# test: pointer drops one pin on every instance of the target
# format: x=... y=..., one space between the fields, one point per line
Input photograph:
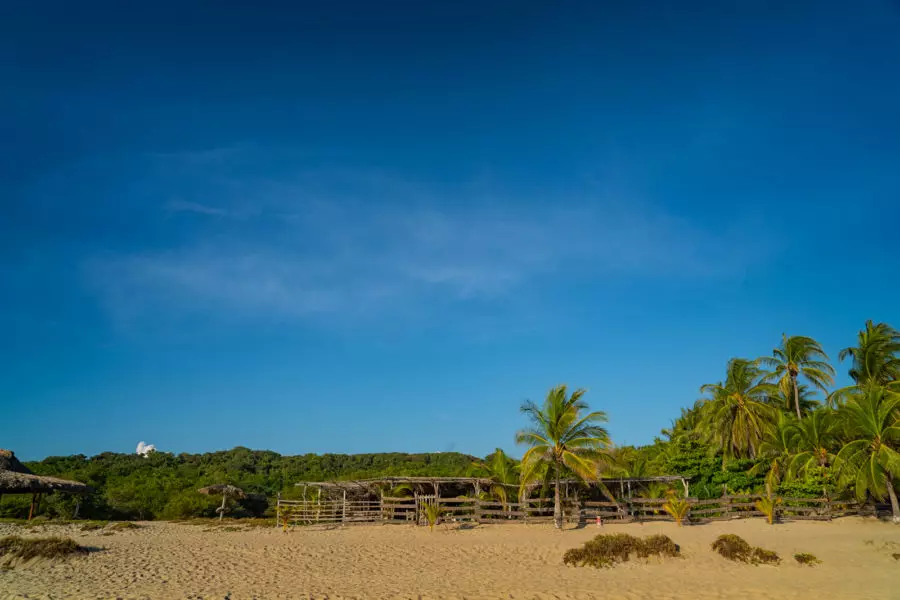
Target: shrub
x=432 y=513
x=734 y=547
x=93 y=525
x=607 y=550
x=761 y=556
x=678 y=508
x=657 y=545
x=768 y=506
x=806 y=559
x=13 y=546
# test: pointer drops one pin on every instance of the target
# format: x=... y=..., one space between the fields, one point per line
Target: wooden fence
x=410 y=510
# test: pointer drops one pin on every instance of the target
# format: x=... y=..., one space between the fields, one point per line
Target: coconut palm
x=778 y=449
x=814 y=441
x=784 y=400
x=871 y=459
x=736 y=413
x=875 y=360
x=503 y=473
x=798 y=356
x=563 y=435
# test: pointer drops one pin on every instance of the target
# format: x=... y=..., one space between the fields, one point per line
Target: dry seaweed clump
x=734 y=547
x=15 y=547
x=807 y=559
x=607 y=550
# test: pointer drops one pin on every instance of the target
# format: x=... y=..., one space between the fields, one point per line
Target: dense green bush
x=164 y=486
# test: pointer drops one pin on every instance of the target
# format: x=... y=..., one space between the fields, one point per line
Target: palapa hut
x=226 y=491
x=15 y=478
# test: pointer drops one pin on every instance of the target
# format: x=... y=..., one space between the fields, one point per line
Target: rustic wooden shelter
x=433 y=485
x=15 y=478
x=460 y=498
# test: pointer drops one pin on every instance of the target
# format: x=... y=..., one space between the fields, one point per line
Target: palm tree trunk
x=557 y=509
x=796 y=396
x=895 y=507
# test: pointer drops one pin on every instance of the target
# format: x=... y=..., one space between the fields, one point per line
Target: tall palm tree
x=871 y=459
x=875 y=361
x=784 y=400
x=815 y=438
x=799 y=356
x=876 y=356
x=503 y=473
x=736 y=412
x=563 y=435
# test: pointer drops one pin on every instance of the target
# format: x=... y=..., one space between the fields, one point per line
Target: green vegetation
x=164 y=486
x=501 y=470
x=15 y=547
x=769 y=427
x=768 y=507
x=678 y=508
x=607 y=550
x=563 y=437
x=432 y=514
x=734 y=547
x=807 y=559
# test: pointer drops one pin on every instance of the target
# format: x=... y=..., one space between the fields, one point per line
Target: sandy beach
x=168 y=560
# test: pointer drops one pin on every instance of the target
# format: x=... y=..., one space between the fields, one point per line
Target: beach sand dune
x=168 y=560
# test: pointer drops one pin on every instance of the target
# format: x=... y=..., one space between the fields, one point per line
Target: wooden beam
x=31 y=510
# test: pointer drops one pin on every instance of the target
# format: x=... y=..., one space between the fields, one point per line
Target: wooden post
x=478 y=516
x=684 y=482
x=31 y=510
x=277 y=509
x=344 y=509
x=222 y=508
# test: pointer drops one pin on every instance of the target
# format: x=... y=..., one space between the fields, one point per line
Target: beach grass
x=16 y=547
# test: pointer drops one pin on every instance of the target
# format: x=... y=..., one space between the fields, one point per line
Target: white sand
x=166 y=560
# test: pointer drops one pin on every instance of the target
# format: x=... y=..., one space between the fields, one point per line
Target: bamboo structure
x=386 y=509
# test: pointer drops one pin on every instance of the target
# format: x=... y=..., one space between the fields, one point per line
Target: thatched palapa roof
x=15 y=478
x=223 y=489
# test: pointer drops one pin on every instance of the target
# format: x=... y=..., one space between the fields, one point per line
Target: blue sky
x=357 y=228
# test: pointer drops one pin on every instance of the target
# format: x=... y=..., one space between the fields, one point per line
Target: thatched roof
x=15 y=478
x=222 y=489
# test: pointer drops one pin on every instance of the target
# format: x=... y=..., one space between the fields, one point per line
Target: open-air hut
x=15 y=478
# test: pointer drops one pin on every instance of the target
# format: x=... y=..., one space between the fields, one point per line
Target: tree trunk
x=796 y=395
x=557 y=508
x=895 y=507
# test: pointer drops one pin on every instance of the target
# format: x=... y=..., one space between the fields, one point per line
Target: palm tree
x=503 y=473
x=814 y=439
x=875 y=357
x=784 y=400
x=563 y=435
x=871 y=459
x=735 y=412
x=875 y=360
x=799 y=356
x=778 y=448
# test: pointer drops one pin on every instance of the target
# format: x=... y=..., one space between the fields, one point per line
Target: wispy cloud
x=367 y=253
x=196 y=207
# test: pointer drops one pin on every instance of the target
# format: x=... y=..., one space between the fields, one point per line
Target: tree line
x=773 y=424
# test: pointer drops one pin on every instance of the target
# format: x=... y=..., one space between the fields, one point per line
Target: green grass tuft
x=734 y=547
x=607 y=550
x=807 y=559
x=14 y=546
